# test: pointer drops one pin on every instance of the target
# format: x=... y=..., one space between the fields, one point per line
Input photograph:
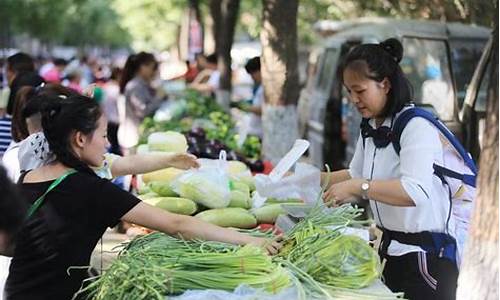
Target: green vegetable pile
x=317 y=257
x=155 y=265
x=328 y=264
x=204 y=111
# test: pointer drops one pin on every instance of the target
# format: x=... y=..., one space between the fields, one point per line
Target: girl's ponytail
x=129 y=71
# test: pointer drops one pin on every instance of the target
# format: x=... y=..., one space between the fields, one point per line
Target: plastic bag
x=242 y=292
x=208 y=185
x=267 y=183
x=303 y=184
x=170 y=110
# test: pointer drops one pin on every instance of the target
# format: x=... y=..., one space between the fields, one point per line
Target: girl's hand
x=343 y=192
x=272 y=246
x=183 y=161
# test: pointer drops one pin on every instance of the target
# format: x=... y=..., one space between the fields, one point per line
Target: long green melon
x=175 y=205
x=162 y=188
x=229 y=217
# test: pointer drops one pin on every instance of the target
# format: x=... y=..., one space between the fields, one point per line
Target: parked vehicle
x=439 y=60
x=473 y=113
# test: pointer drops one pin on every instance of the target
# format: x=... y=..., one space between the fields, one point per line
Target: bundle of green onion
x=344 y=261
x=156 y=265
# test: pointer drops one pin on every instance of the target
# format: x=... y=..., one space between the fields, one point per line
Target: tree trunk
x=215 y=13
x=196 y=32
x=225 y=15
x=279 y=77
x=479 y=272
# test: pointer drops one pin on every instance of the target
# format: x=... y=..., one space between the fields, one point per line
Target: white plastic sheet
x=303 y=184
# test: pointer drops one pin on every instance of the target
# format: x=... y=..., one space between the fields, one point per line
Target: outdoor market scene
x=244 y=150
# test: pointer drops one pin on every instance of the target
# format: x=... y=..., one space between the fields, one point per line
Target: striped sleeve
x=5 y=133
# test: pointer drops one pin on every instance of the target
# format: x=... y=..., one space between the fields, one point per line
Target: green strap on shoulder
x=36 y=205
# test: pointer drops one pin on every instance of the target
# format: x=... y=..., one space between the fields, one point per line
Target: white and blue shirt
x=5 y=133
x=421 y=147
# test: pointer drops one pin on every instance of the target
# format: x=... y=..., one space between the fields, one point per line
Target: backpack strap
x=465 y=178
x=410 y=113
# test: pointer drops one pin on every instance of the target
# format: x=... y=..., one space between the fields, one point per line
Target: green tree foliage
x=480 y=12
x=153 y=24
x=71 y=22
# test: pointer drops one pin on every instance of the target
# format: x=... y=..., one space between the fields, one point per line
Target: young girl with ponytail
x=141 y=100
x=409 y=202
x=71 y=207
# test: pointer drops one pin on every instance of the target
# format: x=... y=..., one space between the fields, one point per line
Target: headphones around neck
x=382 y=136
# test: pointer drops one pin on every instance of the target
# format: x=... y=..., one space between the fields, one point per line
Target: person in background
x=111 y=91
x=21 y=80
x=212 y=83
x=87 y=75
x=141 y=99
x=18 y=131
x=55 y=73
x=46 y=64
x=17 y=64
x=74 y=78
x=4 y=89
x=190 y=74
x=437 y=93
x=62 y=231
x=2 y=75
x=201 y=61
x=255 y=109
x=191 y=71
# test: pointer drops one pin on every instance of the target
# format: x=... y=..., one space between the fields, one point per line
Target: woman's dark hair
x=379 y=61
x=212 y=58
x=21 y=80
x=116 y=73
x=61 y=118
x=29 y=102
x=20 y=63
x=253 y=65
x=132 y=65
x=60 y=62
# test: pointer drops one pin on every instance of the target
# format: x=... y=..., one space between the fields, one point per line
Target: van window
x=465 y=55
x=326 y=74
x=482 y=92
x=426 y=65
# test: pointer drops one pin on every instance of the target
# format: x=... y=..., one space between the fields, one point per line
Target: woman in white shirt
x=411 y=205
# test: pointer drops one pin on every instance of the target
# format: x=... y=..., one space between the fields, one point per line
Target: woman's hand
x=160 y=93
x=183 y=161
x=272 y=246
x=343 y=192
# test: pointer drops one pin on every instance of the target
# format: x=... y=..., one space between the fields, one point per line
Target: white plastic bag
x=208 y=185
x=303 y=184
x=242 y=292
x=273 y=181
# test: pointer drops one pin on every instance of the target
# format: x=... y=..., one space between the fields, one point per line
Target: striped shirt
x=5 y=133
